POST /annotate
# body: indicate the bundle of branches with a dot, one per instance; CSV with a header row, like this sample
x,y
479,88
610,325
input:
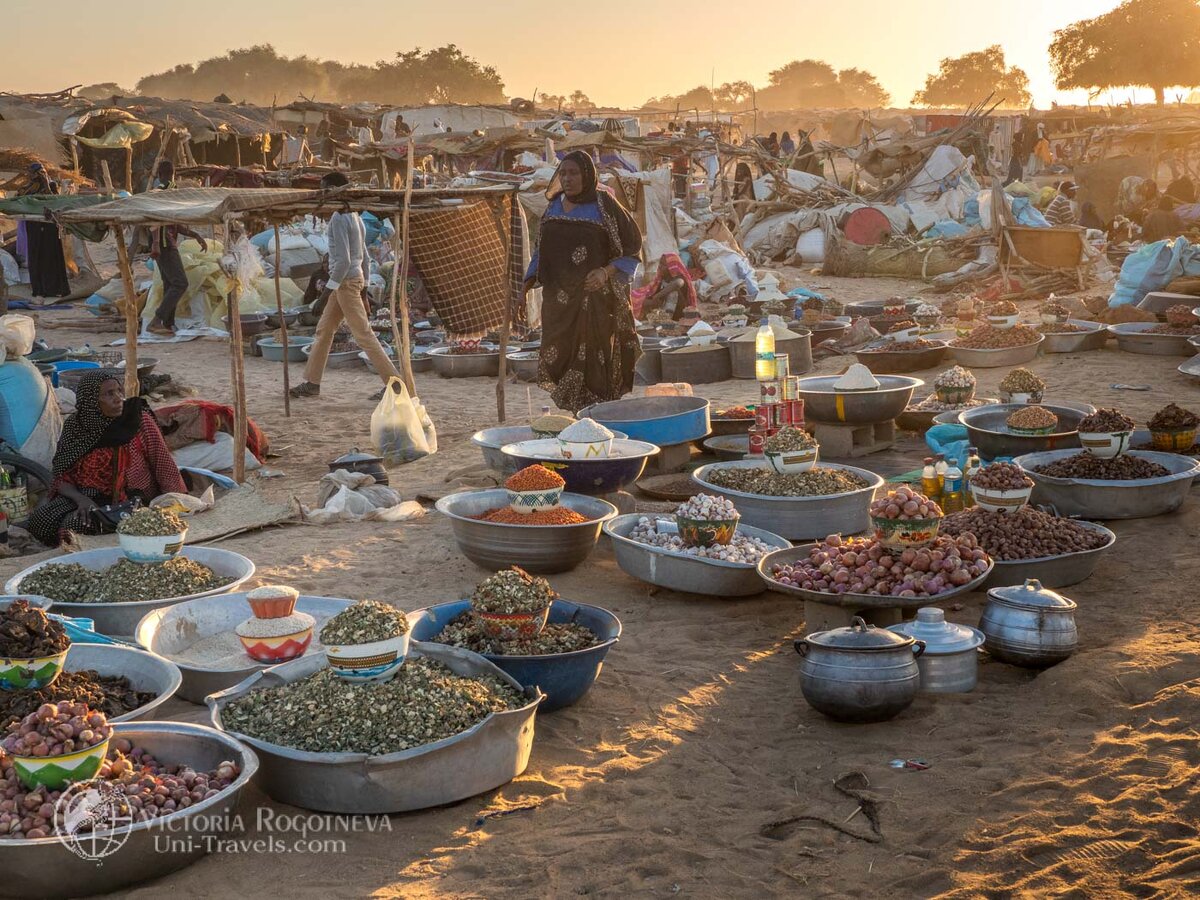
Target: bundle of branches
x,y
899,257
19,159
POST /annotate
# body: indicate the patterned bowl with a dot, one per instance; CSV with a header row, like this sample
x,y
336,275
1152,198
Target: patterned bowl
x,y
1029,398
706,532
512,626
279,649
1003,322
958,396
534,501
155,548
1177,441
56,772
905,532
1105,444
792,462
376,661
1001,501
31,674
585,449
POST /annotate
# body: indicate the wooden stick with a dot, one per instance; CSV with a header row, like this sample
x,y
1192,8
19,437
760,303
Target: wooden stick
x,y
287,397
400,333
131,313
505,327
75,156
129,169
108,184
237,377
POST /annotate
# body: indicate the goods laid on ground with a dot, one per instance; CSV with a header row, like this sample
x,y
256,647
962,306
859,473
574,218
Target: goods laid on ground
x,y
1022,381
1025,533
466,631
1173,418
988,337
1086,465
110,694
1032,420
1106,420
813,483
123,582
427,702
741,549
27,633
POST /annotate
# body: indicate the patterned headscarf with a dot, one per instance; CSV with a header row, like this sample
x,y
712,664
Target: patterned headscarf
x,y
591,178
88,428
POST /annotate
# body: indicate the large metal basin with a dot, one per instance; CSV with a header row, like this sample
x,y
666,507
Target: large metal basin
x,y
542,549
986,430
1091,498
913,419
490,754
491,440
464,365
895,361
145,671
1094,338
594,477
822,403
663,421
1052,571
44,867
563,677
993,359
688,574
121,619
799,518
797,348
173,629
1132,338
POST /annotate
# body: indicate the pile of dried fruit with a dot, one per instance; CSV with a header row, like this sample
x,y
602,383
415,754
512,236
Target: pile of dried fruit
x,y
1180,314
26,632
1026,533
905,504
1003,308
366,622
817,482
534,478
56,729
865,566
557,637
506,515
423,703
150,790
789,439
512,590
112,695
1085,465
1032,418
1021,381
891,346
1001,476
1106,420
1054,308
901,326
123,582
1173,418
986,337
742,549
1060,328
151,522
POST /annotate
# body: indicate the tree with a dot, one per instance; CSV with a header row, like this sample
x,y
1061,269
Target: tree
x,y
967,79
734,95
103,91
809,83
1142,43
415,77
579,100
861,88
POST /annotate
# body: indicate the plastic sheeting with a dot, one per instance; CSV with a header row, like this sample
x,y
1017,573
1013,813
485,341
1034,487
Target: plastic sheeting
x,y
121,136
30,419
1152,268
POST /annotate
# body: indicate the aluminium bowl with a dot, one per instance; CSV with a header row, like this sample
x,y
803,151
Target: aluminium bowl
x,y
1092,498
1094,338
988,431
892,362
824,403
1059,571
594,477
971,358
147,672
1132,338
466,365
491,440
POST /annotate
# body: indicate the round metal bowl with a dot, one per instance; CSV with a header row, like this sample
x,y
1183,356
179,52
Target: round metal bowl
x,y
1059,571
1091,498
464,365
798,518
289,316
598,476
722,427
1191,368
728,447
662,421
490,442
822,403
687,574
848,600
922,419
542,549
994,359
1132,338
44,867
121,619
147,672
342,359
171,630
1094,338
489,754
563,677
986,430
895,361
524,364
873,309
825,331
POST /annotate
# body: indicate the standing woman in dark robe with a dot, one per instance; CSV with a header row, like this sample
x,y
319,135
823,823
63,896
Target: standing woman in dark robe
x,y
587,253
47,265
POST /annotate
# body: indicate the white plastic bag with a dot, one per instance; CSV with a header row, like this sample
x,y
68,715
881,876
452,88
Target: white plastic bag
x,y
17,333
397,432
426,425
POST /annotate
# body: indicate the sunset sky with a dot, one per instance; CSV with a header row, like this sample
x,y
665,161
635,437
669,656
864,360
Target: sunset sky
x,y
618,52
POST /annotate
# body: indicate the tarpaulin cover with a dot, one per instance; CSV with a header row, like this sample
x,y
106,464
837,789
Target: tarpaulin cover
x,y
35,206
123,135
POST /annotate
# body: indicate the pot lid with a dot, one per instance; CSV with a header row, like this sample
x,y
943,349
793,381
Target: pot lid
x,y
1031,595
860,636
940,637
356,455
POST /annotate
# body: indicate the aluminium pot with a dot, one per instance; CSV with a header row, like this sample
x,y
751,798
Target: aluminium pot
x,y
859,673
1029,625
360,461
950,663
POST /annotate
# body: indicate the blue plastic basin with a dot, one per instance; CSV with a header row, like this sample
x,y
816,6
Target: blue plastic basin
x,y
71,365
563,677
664,421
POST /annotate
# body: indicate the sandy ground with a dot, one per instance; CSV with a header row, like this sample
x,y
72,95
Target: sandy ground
x,y
1079,780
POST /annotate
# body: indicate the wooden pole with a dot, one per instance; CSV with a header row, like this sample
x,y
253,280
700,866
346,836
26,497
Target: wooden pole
x,y
384,182
237,377
283,332
400,333
505,330
131,314
75,156
108,182
129,168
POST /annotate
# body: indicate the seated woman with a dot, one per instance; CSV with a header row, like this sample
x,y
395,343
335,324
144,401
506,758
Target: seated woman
x,y
111,451
671,289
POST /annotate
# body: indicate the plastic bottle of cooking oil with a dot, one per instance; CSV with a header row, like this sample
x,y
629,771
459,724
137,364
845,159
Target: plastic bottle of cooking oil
x,y
939,466
974,464
764,352
952,493
929,482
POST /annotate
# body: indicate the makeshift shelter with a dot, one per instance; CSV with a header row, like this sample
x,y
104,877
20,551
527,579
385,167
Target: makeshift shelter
x,y
425,120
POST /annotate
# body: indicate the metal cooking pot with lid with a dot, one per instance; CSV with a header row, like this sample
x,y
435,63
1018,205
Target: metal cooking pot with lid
x,y
950,663
359,461
859,673
1029,625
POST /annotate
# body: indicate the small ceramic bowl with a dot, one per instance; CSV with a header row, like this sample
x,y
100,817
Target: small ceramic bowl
x,y
706,532
792,462
279,649
31,674
1003,322
278,606
155,548
1001,501
955,395
512,626
905,532
1177,441
1105,444
376,661
56,772
585,449
1029,398
534,501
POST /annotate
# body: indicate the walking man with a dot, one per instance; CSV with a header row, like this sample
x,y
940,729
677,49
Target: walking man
x,y
349,270
170,264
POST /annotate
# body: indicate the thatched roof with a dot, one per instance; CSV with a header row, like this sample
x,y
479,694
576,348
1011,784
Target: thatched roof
x,y
17,160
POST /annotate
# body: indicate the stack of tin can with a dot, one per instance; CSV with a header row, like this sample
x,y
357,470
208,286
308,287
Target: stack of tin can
x,y
779,405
